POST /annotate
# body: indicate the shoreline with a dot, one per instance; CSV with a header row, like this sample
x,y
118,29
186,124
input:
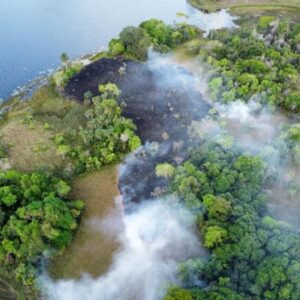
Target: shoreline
x,y
240,5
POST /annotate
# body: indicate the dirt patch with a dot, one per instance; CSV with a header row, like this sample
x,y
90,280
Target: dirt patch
x,y
29,149
92,248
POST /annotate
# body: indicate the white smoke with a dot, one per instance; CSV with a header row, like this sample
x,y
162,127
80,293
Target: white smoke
x,y
254,127
155,238
212,21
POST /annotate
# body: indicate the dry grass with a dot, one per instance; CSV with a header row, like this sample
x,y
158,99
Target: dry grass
x,y
92,249
29,149
30,145
6,291
247,5
46,106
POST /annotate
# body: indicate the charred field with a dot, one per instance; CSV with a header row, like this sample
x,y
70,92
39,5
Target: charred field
x,y
161,99
156,106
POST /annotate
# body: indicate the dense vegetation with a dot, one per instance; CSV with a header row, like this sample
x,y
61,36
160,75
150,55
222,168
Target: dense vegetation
x,y
259,59
263,60
36,215
135,41
252,255
105,137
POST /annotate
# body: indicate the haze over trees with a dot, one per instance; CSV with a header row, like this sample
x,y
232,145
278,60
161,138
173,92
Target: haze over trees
x,y
250,255
245,65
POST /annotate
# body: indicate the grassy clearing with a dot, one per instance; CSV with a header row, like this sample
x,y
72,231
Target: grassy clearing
x,y
29,129
29,149
92,249
47,106
292,13
247,6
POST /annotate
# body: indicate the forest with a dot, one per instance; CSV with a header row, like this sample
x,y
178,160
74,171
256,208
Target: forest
x,y
250,254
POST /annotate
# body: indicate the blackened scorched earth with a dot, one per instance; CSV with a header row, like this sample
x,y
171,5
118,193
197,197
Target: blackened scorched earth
x,y
162,101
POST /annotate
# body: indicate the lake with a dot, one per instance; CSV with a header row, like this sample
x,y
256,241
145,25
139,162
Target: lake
x,y
34,33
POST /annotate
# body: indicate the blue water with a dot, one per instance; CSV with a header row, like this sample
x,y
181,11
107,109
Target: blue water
x,y
34,33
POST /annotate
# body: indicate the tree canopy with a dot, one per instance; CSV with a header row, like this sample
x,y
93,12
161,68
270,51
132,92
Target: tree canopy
x,y
36,215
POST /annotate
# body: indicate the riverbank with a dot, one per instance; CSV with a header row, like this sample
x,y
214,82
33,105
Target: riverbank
x,y
22,61
249,6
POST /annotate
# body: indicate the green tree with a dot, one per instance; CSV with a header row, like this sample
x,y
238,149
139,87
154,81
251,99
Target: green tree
x,y
64,58
214,235
177,293
136,42
217,207
158,30
165,170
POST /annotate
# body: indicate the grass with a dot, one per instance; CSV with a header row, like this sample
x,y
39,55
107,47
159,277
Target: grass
x,y
91,249
48,106
10,289
6,291
29,149
289,12
46,103
247,6
28,130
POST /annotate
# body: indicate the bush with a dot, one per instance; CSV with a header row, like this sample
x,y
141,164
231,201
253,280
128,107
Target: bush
x,y
116,47
265,21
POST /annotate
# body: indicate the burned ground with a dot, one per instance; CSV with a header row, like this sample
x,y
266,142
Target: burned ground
x,y
159,109
161,100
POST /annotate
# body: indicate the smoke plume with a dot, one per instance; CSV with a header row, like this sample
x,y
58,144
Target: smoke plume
x,y
154,239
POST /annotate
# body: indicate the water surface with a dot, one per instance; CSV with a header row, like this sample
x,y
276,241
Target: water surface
x,y
34,33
